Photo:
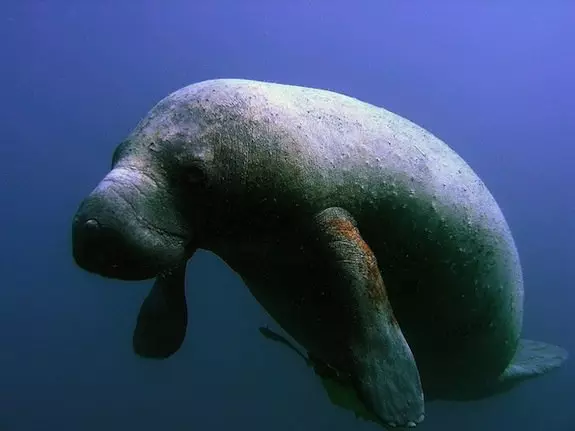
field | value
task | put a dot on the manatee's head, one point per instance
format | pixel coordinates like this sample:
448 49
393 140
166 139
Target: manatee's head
148 213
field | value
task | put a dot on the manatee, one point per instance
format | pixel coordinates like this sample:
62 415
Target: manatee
366 238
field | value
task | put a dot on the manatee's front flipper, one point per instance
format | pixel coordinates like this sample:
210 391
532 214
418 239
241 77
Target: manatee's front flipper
163 317
532 359
382 366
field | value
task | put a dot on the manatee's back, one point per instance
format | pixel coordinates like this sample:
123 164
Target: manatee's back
444 247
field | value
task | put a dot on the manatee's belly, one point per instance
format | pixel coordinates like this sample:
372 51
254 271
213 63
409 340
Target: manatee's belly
291 283
301 303
456 292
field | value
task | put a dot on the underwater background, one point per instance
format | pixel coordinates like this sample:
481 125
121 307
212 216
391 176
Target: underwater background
495 80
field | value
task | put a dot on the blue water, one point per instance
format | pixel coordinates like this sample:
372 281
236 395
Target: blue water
497 82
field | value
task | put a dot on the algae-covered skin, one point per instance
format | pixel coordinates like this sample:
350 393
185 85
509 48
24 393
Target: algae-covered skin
366 238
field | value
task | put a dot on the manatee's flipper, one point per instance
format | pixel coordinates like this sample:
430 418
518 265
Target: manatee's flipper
532 359
274 336
382 366
163 317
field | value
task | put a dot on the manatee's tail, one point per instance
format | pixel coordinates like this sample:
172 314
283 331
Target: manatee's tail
532 359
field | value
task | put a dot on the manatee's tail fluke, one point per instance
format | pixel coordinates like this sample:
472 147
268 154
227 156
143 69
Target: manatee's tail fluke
532 359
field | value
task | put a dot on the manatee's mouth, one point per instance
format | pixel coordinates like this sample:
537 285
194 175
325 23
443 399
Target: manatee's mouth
126 254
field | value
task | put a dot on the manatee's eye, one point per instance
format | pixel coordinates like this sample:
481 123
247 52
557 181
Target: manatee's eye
194 175
118 152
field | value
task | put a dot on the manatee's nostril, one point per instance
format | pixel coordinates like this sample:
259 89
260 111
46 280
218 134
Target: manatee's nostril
92 225
98 244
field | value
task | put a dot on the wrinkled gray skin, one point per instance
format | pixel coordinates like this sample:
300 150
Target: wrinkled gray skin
242 168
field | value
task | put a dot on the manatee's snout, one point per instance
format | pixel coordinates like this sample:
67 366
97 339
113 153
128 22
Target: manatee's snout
102 245
125 230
